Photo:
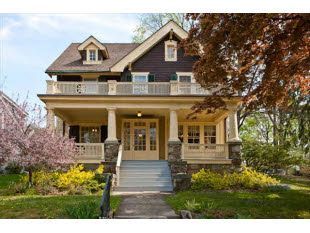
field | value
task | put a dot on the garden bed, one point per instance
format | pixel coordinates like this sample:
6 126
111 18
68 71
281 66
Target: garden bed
293 203
49 206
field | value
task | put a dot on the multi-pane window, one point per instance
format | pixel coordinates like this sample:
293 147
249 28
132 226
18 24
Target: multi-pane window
126 135
152 136
140 83
185 78
170 51
193 134
92 55
209 134
139 139
90 134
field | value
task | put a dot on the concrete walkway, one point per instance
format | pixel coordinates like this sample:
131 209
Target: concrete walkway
144 206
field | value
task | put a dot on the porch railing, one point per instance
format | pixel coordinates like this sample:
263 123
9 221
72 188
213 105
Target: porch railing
80 88
151 88
118 164
90 151
125 88
204 151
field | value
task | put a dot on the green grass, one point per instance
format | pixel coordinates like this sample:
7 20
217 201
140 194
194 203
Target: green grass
294 203
49 206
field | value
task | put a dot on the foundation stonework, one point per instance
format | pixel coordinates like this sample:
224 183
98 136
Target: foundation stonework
111 151
174 151
194 168
234 150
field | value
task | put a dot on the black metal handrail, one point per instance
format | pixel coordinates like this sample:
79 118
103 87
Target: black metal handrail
105 206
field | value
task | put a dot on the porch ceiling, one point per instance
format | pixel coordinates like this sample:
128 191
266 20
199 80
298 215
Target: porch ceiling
82 115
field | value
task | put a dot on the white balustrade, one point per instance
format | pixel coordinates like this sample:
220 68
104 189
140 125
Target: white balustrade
90 151
204 151
118 163
126 88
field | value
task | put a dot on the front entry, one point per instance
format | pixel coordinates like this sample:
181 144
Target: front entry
140 139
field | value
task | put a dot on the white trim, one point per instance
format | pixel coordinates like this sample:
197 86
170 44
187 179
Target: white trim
140 73
93 40
186 74
175 44
148 44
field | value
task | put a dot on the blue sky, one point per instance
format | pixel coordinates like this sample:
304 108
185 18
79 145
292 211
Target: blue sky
31 42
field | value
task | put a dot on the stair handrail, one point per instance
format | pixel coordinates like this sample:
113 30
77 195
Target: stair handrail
118 163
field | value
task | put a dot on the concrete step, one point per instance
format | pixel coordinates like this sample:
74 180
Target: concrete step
145 175
145 183
159 188
146 179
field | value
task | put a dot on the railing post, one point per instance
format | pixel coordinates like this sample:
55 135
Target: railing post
112 87
102 151
174 87
50 88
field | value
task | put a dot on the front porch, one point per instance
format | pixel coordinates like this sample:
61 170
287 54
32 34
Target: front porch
145 133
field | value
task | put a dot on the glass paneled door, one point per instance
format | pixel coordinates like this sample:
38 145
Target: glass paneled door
140 139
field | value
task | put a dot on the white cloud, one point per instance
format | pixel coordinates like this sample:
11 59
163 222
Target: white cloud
53 24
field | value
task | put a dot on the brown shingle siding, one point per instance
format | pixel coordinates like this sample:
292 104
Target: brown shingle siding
154 62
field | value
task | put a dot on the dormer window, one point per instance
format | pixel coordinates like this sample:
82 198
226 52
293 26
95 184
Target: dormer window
92 55
170 50
93 52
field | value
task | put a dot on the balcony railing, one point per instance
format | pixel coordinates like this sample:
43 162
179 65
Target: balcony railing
125 88
90 152
193 151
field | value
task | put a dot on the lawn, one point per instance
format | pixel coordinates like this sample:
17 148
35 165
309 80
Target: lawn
293 203
38 206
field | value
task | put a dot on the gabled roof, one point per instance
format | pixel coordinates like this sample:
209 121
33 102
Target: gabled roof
71 60
93 40
149 43
120 54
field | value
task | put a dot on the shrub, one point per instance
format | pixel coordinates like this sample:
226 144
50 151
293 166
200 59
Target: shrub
78 181
74 181
266 157
246 179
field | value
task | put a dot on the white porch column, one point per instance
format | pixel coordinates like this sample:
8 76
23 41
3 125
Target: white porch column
50 119
233 126
59 126
111 125
173 129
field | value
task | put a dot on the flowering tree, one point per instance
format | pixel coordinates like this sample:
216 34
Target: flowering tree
25 142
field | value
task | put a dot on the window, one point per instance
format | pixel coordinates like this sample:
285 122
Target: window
209 134
193 134
153 135
140 85
185 79
170 50
90 134
92 55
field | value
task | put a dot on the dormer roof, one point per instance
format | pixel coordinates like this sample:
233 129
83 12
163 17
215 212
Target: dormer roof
92 40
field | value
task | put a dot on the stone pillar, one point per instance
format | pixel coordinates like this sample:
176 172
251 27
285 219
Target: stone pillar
111 143
234 142
50 119
176 164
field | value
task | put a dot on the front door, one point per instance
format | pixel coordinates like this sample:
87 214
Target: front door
140 139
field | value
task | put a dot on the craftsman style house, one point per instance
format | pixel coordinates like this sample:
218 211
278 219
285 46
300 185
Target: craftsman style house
128 101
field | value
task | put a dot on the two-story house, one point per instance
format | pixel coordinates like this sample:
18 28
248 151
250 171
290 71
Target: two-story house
129 102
